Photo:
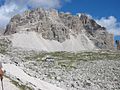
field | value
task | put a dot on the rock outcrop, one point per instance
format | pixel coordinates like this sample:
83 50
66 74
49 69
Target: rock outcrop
60 26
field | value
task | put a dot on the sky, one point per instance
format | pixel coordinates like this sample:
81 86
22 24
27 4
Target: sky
104 12
96 8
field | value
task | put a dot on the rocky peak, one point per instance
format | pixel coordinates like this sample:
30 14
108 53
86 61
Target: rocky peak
89 23
59 26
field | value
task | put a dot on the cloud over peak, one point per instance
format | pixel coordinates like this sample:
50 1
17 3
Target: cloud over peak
111 24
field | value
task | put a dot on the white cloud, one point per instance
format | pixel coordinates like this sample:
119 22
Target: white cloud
7 11
111 24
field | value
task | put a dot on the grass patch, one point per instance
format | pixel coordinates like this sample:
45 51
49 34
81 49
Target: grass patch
69 60
21 87
4 45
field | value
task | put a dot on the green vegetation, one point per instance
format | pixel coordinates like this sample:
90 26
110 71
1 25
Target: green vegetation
22 87
2 48
98 55
4 44
69 60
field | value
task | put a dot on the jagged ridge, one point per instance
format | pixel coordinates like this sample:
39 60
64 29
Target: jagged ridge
60 26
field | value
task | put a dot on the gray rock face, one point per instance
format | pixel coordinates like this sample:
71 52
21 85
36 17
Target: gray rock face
59 26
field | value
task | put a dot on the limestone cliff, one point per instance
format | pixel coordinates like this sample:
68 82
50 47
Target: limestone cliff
53 25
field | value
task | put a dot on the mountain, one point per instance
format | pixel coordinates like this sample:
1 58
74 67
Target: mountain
50 30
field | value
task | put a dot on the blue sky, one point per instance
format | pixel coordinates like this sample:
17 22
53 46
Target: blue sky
96 8
104 12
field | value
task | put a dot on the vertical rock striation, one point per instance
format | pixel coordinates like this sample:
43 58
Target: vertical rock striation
60 26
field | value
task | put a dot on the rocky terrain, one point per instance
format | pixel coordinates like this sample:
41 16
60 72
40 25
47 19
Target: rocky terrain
98 70
61 27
